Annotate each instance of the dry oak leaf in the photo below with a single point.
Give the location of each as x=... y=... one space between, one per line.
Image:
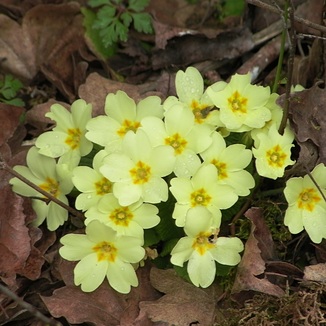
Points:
x=183 y=303
x=259 y=248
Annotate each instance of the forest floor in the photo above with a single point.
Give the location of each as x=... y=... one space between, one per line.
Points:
x=44 y=45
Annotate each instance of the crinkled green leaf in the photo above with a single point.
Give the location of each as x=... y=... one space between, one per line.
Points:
x=167 y=229
x=150 y=237
x=143 y=22
x=115 y=32
x=168 y=246
x=138 y=5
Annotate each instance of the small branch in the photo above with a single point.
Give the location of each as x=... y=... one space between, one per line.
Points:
x=28 y=307
x=292 y=46
x=6 y=167
x=300 y=20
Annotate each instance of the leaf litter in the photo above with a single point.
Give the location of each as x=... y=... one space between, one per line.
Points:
x=43 y=44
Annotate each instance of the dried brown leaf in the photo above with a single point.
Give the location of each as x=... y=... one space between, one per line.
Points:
x=103 y=307
x=50 y=40
x=258 y=248
x=96 y=88
x=183 y=303
x=308 y=118
x=316 y=273
x=15 y=244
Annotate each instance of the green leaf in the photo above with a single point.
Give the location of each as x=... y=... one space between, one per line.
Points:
x=93 y=35
x=121 y=31
x=167 y=229
x=108 y=35
x=138 y=5
x=104 y=17
x=150 y=237
x=15 y=102
x=222 y=270
x=98 y=3
x=143 y=22
x=168 y=246
x=126 y=18
x=233 y=8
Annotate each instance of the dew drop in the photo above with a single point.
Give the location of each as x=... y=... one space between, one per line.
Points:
x=89 y=196
x=122 y=268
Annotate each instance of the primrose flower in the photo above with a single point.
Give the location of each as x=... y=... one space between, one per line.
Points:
x=242 y=105
x=306 y=205
x=67 y=139
x=273 y=154
x=126 y=220
x=204 y=190
x=191 y=95
x=276 y=118
x=122 y=115
x=202 y=247
x=230 y=163
x=138 y=170
x=180 y=132
x=103 y=254
x=42 y=171
x=91 y=182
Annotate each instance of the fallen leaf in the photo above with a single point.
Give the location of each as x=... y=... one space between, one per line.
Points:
x=103 y=307
x=316 y=273
x=307 y=114
x=259 y=248
x=50 y=40
x=183 y=303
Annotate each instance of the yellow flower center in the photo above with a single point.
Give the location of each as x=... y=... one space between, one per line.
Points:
x=128 y=125
x=221 y=169
x=200 y=197
x=73 y=138
x=104 y=186
x=51 y=186
x=276 y=157
x=177 y=142
x=203 y=242
x=238 y=103
x=308 y=198
x=200 y=111
x=105 y=251
x=121 y=216
x=141 y=173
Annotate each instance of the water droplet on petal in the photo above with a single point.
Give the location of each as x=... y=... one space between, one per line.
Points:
x=89 y=196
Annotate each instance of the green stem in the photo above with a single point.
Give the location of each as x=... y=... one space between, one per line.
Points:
x=281 y=56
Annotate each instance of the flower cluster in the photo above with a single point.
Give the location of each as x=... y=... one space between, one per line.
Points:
x=142 y=154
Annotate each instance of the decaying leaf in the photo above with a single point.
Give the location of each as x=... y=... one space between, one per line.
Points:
x=43 y=44
x=259 y=248
x=308 y=119
x=183 y=304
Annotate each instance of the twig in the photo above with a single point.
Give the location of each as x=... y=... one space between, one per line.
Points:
x=6 y=167
x=28 y=307
x=292 y=46
x=300 y=20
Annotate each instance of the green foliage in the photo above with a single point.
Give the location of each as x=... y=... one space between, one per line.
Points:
x=114 y=18
x=231 y=8
x=94 y=35
x=9 y=88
